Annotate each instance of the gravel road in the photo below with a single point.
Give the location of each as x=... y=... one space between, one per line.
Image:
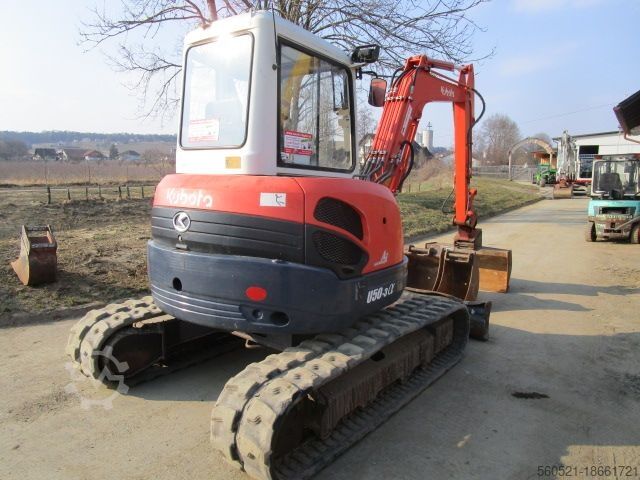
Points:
x=568 y=331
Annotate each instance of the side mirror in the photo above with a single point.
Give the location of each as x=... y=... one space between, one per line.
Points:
x=377 y=92
x=366 y=54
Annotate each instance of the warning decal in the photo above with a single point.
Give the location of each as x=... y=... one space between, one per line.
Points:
x=204 y=130
x=297 y=143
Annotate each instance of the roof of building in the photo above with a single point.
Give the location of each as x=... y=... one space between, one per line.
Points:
x=74 y=153
x=94 y=153
x=586 y=135
x=45 y=151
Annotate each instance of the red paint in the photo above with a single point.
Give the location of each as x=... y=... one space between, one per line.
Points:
x=257 y=294
x=232 y=194
x=379 y=213
x=416 y=86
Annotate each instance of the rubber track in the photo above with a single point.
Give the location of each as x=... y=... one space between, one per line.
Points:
x=93 y=332
x=247 y=413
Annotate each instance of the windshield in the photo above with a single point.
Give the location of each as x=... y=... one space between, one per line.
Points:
x=315 y=121
x=216 y=93
x=616 y=177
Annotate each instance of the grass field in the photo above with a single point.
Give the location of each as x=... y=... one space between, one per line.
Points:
x=102 y=243
x=422 y=212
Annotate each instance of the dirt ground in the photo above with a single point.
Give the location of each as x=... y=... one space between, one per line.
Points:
x=101 y=251
x=569 y=331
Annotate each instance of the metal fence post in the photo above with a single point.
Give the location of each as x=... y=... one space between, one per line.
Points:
x=48 y=195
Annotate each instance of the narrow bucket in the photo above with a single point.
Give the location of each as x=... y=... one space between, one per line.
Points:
x=494 y=265
x=460 y=276
x=443 y=269
x=37 y=262
x=425 y=266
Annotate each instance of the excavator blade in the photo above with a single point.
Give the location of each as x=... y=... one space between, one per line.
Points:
x=444 y=269
x=37 y=261
x=494 y=265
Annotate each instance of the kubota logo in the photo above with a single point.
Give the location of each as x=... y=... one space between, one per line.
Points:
x=185 y=197
x=447 y=92
x=181 y=222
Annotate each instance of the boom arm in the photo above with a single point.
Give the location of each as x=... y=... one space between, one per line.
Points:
x=391 y=157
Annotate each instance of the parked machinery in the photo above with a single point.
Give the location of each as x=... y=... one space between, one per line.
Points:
x=268 y=234
x=614 y=208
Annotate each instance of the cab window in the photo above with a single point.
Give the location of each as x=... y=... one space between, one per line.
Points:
x=315 y=128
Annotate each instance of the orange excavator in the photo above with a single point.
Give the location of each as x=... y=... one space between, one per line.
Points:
x=268 y=235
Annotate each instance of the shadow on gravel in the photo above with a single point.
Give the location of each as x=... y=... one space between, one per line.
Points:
x=520 y=301
x=570 y=407
x=532 y=286
x=199 y=383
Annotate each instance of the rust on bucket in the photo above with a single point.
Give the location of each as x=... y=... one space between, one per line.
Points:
x=37 y=262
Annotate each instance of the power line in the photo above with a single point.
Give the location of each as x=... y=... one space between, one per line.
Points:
x=566 y=114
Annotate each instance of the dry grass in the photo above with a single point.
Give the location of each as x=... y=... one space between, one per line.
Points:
x=32 y=173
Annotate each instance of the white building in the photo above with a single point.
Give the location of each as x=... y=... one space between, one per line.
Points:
x=605 y=143
x=427 y=138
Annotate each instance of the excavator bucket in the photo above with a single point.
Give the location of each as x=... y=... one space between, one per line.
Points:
x=444 y=269
x=37 y=261
x=494 y=265
x=562 y=189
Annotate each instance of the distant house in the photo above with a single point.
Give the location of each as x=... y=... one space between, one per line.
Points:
x=45 y=154
x=94 y=156
x=72 y=154
x=129 y=156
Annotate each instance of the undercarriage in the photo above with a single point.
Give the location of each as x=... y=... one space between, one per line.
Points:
x=289 y=415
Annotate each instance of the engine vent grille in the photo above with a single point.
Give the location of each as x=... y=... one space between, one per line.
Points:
x=339 y=214
x=335 y=249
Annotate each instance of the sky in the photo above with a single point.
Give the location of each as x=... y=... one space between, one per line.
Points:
x=557 y=65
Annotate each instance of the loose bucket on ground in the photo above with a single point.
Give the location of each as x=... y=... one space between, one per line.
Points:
x=37 y=263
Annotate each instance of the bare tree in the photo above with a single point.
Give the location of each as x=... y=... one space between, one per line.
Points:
x=438 y=27
x=366 y=123
x=13 y=150
x=496 y=135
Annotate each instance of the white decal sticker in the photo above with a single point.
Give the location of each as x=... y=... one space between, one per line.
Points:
x=187 y=197
x=204 y=130
x=447 y=92
x=273 y=199
x=383 y=259
x=407 y=117
x=298 y=143
x=380 y=292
